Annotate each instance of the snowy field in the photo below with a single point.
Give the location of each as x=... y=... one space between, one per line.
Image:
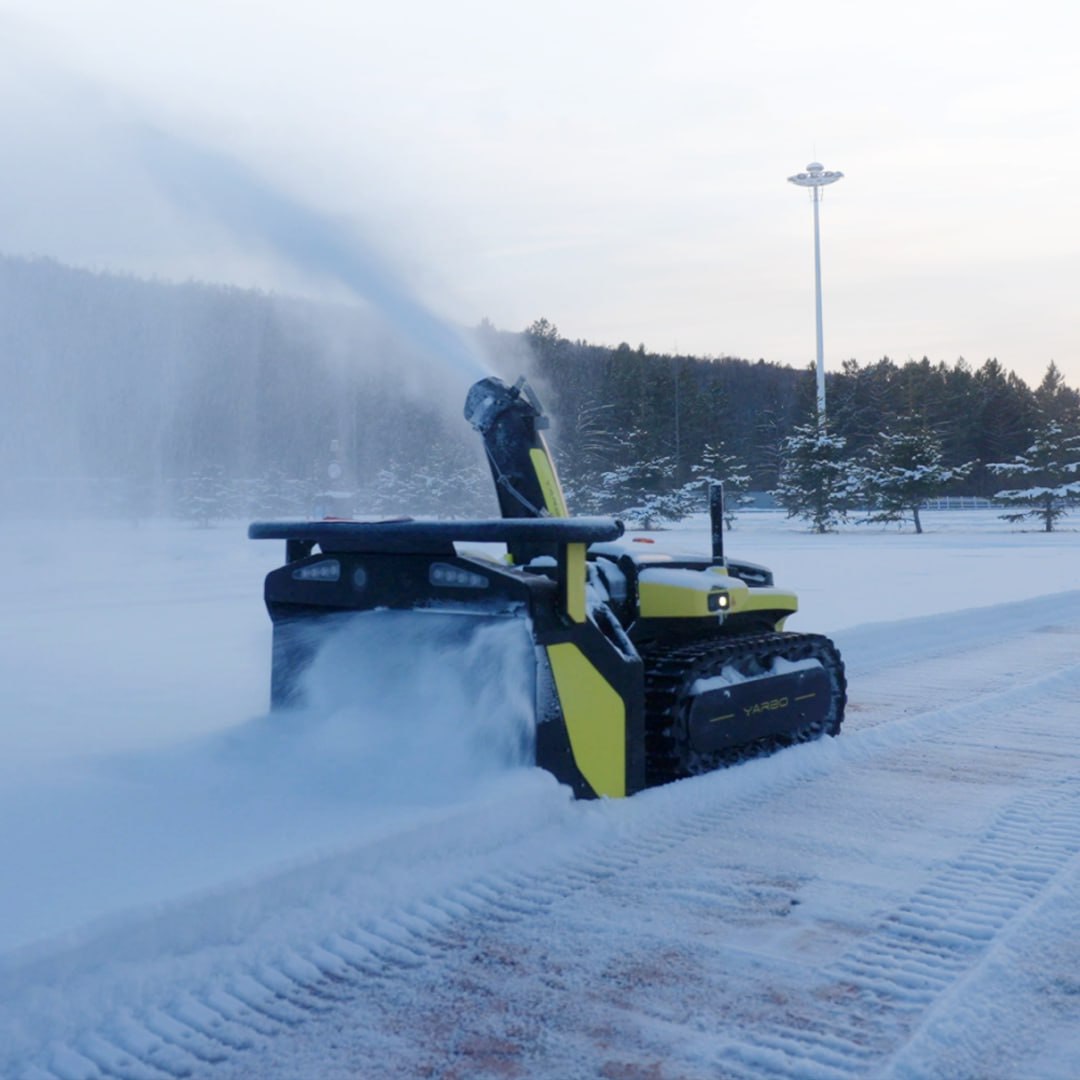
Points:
x=385 y=890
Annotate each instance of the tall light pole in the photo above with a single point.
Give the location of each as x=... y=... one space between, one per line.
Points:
x=815 y=178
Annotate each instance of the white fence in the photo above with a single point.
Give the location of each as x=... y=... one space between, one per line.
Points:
x=958 y=502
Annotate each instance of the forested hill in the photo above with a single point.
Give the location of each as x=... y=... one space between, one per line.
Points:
x=144 y=384
x=679 y=404
x=119 y=390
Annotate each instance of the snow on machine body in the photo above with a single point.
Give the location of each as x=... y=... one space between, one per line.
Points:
x=649 y=667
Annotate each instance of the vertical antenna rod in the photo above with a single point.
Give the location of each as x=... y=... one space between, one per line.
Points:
x=716 y=521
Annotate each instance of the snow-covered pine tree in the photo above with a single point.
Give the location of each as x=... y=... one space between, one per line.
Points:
x=1051 y=469
x=815 y=479
x=438 y=487
x=901 y=471
x=644 y=490
x=277 y=495
x=719 y=467
x=206 y=497
x=585 y=445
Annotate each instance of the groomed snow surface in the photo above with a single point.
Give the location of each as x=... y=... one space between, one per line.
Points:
x=383 y=888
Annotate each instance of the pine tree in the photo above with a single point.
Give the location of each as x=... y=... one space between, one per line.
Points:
x=815 y=481
x=206 y=497
x=1055 y=399
x=643 y=490
x=1051 y=466
x=276 y=495
x=438 y=486
x=902 y=470
x=584 y=445
x=719 y=467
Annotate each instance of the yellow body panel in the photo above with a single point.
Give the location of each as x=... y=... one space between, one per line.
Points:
x=574 y=583
x=554 y=502
x=765 y=600
x=673 y=602
x=595 y=718
x=676 y=593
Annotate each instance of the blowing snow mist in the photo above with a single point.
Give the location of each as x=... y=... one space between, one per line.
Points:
x=208 y=184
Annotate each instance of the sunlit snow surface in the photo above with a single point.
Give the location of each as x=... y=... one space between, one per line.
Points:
x=906 y=894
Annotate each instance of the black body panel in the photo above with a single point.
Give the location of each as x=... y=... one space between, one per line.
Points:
x=758 y=708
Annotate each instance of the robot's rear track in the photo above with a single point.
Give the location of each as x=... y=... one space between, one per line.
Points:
x=672 y=669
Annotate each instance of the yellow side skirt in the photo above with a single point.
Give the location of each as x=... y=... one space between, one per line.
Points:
x=595 y=718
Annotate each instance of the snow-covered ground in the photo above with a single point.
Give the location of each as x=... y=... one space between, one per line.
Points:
x=384 y=890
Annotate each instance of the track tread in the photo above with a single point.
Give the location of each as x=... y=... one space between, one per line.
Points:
x=670 y=671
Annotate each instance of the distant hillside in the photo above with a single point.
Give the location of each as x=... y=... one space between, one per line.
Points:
x=120 y=391
x=142 y=384
x=614 y=401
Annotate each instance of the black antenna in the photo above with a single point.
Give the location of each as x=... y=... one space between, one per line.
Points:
x=716 y=520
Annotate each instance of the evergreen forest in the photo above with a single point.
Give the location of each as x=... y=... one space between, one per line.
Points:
x=129 y=396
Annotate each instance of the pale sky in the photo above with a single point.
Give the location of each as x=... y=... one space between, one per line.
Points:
x=617 y=167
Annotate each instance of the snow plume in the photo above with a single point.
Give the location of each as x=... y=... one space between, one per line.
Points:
x=124 y=394
x=254 y=212
x=409 y=706
x=406 y=715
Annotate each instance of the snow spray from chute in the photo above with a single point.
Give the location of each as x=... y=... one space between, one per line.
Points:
x=407 y=707
x=204 y=182
x=400 y=710
x=407 y=714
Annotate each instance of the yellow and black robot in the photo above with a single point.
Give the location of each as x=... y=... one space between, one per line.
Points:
x=649 y=667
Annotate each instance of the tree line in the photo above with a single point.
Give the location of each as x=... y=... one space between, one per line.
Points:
x=638 y=431
x=153 y=397
x=680 y=406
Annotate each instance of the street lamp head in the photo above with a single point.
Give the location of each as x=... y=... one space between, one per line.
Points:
x=816 y=176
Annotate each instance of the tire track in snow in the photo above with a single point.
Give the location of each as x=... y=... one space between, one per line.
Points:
x=945 y=930
x=891 y=679
x=920 y=950
x=204 y=1029
x=884 y=986
x=900 y=968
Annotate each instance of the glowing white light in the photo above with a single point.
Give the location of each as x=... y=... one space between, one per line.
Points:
x=327 y=570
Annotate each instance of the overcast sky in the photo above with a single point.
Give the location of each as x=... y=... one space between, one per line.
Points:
x=618 y=167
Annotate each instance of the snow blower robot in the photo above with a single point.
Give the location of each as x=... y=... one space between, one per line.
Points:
x=649 y=667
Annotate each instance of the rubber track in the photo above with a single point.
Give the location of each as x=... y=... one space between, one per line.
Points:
x=670 y=671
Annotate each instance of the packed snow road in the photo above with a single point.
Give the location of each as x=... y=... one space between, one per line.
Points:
x=186 y=891
x=897 y=902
